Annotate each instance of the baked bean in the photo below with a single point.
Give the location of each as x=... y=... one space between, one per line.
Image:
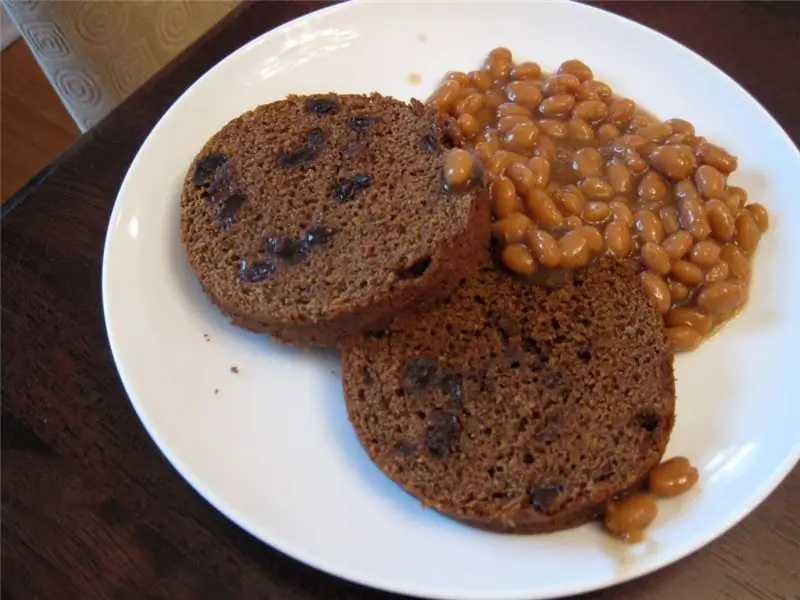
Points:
x=677 y=291
x=526 y=70
x=540 y=167
x=574 y=222
x=510 y=109
x=682 y=138
x=522 y=137
x=607 y=132
x=628 y=517
x=555 y=129
x=735 y=198
x=543 y=246
x=620 y=211
x=590 y=110
x=524 y=93
x=588 y=162
x=543 y=210
x=493 y=99
x=499 y=63
x=545 y=148
x=687 y=273
x=458 y=165
x=634 y=160
x=469 y=126
x=675 y=161
x=620 y=111
x=678 y=244
x=738 y=265
x=469 y=105
x=505 y=201
x=655 y=132
x=693 y=219
x=760 y=215
x=484 y=150
x=576 y=68
x=722 y=297
x=747 y=232
x=461 y=78
x=557 y=106
x=690 y=317
x=519 y=259
x=655 y=258
x=563 y=83
x=709 y=154
x=619 y=176
x=593 y=237
x=680 y=126
x=481 y=80
x=511 y=229
x=580 y=131
x=672 y=477
x=521 y=176
x=554 y=190
x=629 y=141
x=683 y=338
x=593 y=90
x=574 y=250
x=657 y=289
x=710 y=182
x=507 y=123
x=669 y=219
x=572 y=200
x=649 y=227
x=705 y=254
x=719 y=272
x=445 y=97
x=639 y=120
x=618 y=239
x=652 y=187
x=485 y=117
x=497 y=163
x=720 y=220
x=597 y=189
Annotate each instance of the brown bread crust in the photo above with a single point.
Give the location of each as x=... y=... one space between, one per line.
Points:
x=394 y=239
x=515 y=408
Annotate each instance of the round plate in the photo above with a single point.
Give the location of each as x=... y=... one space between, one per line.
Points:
x=261 y=430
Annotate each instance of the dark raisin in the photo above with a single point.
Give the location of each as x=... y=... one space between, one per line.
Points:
x=303 y=154
x=585 y=355
x=230 y=207
x=285 y=247
x=648 y=421
x=206 y=167
x=429 y=143
x=255 y=271
x=315 y=137
x=543 y=497
x=419 y=374
x=321 y=234
x=322 y=106
x=405 y=449
x=360 y=124
x=345 y=189
x=416 y=270
x=442 y=432
x=551 y=380
x=451 y=385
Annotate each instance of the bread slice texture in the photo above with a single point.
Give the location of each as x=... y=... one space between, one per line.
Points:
x=317 y=217
x=515 y=407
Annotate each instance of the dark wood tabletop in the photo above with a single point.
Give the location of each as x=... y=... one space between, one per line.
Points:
x=91 y=509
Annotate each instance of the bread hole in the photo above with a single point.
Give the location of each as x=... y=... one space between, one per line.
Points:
x=555 y=324
x=361 y=396
x=491 y=471
x=585 y=355
x=648 y=421
x=421 y=414
x=368 y=379
x=515 y=364
x=527 y=458
x=479 y=300
x=416 y=270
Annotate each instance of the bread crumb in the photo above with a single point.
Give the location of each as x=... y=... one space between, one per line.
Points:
x=235 y=370
x=216 y=391
x=207 y=337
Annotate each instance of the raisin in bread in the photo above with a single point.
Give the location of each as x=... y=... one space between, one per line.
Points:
x=315 y=217
x=518 y=408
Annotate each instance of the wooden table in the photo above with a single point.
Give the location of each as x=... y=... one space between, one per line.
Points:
x=91 y=510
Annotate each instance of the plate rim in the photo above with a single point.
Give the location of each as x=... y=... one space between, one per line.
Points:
x=768 y=483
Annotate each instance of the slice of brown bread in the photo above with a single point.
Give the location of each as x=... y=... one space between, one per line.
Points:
x=316 y=217
x=517 y=408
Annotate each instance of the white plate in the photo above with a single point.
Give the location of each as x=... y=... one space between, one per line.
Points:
x=272 y=448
